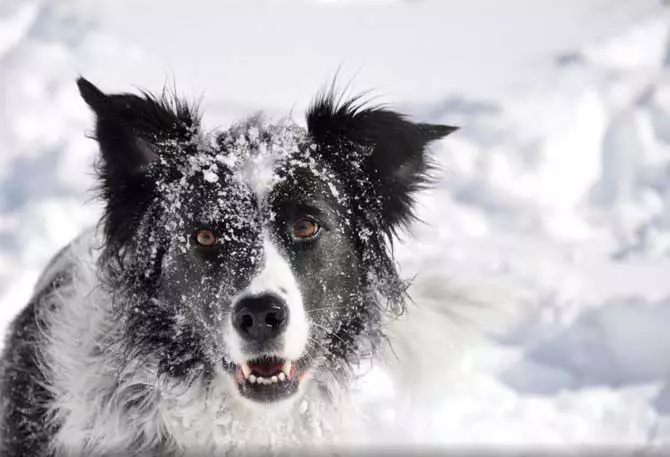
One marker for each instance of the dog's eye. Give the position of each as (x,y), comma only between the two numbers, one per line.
(205,238)
(305,228)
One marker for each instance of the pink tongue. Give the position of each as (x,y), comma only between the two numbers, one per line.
(265,369)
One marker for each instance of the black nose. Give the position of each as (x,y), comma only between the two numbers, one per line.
(260,318)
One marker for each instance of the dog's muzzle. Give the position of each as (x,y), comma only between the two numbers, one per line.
(260,322)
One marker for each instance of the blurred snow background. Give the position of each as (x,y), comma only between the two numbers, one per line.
(559,181)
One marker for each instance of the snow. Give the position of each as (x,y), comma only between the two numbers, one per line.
(557,189)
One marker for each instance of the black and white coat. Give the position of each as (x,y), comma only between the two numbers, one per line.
(143,335)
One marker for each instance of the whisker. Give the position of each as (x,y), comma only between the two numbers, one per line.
(320,344)
(328,331)
(318,309)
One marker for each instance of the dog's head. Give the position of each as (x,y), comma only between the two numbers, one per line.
(262,250)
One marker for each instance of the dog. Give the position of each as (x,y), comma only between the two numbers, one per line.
(236,280)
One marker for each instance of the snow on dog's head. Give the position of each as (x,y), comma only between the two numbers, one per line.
(260,251)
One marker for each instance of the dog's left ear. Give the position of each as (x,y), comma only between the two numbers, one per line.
(395,150)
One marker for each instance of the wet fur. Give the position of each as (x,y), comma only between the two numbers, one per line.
(100,362)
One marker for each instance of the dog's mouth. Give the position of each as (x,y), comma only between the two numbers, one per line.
(268,378)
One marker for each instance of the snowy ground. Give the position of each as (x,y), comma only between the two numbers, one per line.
(558,185)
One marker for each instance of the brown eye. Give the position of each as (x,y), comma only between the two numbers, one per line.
(305,228)
(205,238)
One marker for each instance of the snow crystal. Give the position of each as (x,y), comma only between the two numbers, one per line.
(210,175)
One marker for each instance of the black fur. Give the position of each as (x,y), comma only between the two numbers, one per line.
(395,163)
(128,128)
(24,390)
(22,393)
(355,169)
(391,164)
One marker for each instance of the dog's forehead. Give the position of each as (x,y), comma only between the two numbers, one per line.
(255,150)
(226,176)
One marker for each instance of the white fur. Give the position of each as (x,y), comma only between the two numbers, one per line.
(275,278)
(102,406)
(82,360)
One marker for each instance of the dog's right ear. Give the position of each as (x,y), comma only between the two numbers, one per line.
(123,141)
(135,134)
(133,131)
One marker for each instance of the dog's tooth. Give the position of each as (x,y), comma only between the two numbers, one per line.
(286,368)
(260,380)
(246,370)
(267,381)
(275,379)
(252,378)
(281,376)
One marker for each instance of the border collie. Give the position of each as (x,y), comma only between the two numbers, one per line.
(236,280)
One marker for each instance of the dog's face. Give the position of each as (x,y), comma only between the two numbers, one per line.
(261,250)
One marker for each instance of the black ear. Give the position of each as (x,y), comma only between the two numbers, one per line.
(395,161)
(132,130)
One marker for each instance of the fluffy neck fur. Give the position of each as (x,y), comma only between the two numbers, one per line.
(102,405)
